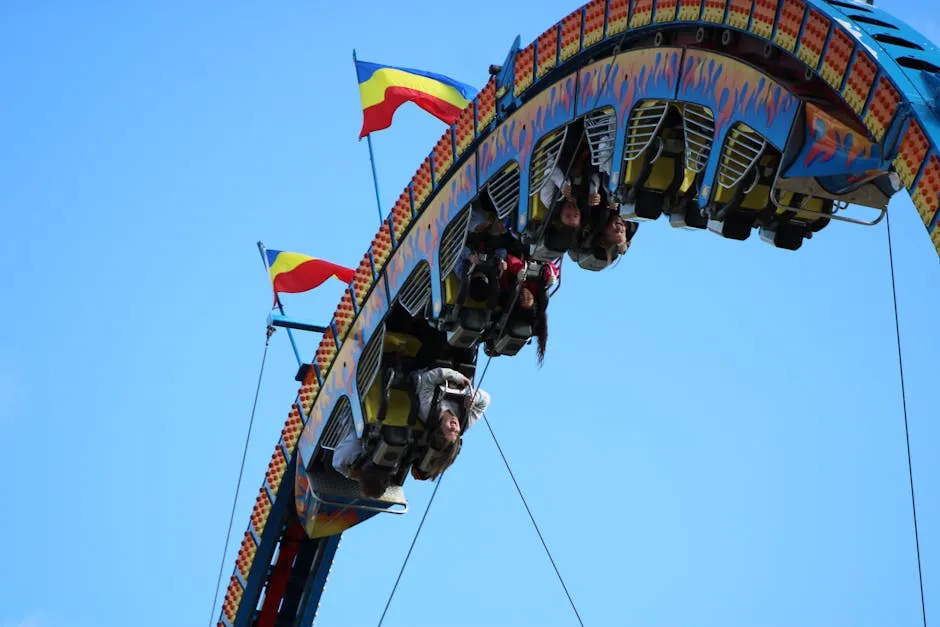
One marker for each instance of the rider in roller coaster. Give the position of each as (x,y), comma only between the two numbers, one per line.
(447,405)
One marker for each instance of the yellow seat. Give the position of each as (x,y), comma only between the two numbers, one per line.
(399,406)
(537,210)
(401,344)
(452,289)
(662,174)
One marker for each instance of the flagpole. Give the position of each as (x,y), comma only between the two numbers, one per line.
(264,259)
(375,178)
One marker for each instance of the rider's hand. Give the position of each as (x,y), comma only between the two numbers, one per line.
(548,276)
(594,200)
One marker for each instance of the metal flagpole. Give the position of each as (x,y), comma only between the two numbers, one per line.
(280,307)
(375,178)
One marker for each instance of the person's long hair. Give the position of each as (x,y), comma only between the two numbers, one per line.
(540,324)
(447,452)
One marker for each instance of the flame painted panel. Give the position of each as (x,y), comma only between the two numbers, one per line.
(832,148)
(423,240)
(514,139)
(637,74)
(735,92)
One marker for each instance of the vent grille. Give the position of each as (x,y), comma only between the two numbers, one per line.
(339,424)
(503,190)
(644,123)
(601,128)
(743,148)
(698,124)
(416,291)
(369,362)
(545,159)
(455,235)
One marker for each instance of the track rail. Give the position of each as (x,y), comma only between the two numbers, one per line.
(883,71)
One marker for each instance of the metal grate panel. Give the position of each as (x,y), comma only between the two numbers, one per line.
(416,291)
(601,128)
(339,424)
(743,147)
(452,242)
(545,159)
(643,126)
(369,361)
(503,190)
(698,124)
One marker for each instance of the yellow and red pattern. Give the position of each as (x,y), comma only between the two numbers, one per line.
(259,513)
(326,351)
(617,14)
(276,469)
(911,154)
(486,105)
(714,11)
(442,157)
(765,13)
(739,12)
(926,193)
(463,129)
(292,428)
(665,11)
(233,597)
(382,243)
(881,108)
(362,280)
(689,9)
(547,51)
(594,22)
(813,39)
(344,314)
(308,392)
(401,213)
(788,26)
(571,35)
(421,184)
(246,555)
(861,76)
(838,54)
(523,69)
(642,13)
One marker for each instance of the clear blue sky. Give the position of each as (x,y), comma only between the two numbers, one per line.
(716,437)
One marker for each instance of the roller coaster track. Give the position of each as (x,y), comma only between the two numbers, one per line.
(743,71)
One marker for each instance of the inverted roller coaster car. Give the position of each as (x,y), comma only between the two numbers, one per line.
(773,115)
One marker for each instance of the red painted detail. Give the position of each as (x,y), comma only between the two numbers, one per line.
(280,574)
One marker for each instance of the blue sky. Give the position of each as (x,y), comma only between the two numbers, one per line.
(715,438)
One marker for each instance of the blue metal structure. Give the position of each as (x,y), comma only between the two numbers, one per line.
(726,115)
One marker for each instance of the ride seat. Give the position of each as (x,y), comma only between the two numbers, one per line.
(398,410)
(516,334)
(472,316)
(588,260)
(403,344)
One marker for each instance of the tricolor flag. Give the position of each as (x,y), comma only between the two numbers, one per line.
(292,272)
(384,88)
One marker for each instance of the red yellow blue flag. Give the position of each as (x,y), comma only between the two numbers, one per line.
(292,272)
(384,88)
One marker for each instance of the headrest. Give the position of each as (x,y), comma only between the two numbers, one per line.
(479,287)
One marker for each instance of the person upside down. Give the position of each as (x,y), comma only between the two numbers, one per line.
(445,436)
